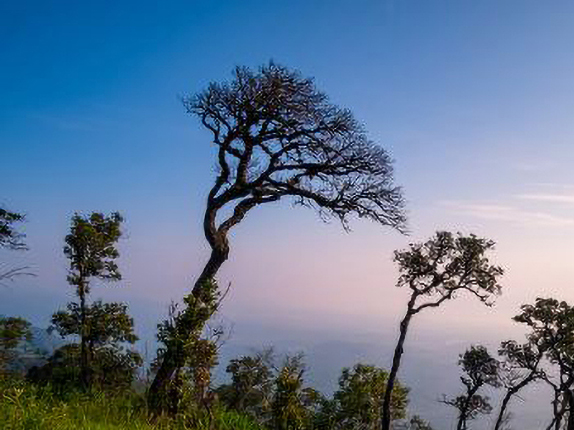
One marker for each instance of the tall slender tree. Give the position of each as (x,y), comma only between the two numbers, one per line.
(91,249)
(278,137)
(437,271)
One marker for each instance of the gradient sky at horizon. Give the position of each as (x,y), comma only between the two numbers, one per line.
(473,99)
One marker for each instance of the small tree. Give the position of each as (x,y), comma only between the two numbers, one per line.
(112,368)
(91,249)
(292,403)
(251,385)
(360,397)
(277,138)
(105,326)
(436,271)
(480,369)
(13,331)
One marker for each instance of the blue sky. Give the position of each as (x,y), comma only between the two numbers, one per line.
(474,100)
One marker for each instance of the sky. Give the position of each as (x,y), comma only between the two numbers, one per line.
(474,100)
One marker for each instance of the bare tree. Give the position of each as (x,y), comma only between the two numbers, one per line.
(436,271)
(278,137)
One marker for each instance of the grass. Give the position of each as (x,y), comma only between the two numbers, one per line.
(27,407)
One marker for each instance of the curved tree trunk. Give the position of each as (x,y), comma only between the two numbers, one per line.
(399,349)
(172,359)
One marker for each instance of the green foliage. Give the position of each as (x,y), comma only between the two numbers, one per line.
(13,331)
(251,383)
(360,396)
(112,369)
(101,327)
(292,403)
(105,323)
(26,407)
(91,249)
(193,356)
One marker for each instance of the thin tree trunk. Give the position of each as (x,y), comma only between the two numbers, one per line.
(503,407)
(510,392)
(463,417)
(570,398)
(399,349)
(84,362)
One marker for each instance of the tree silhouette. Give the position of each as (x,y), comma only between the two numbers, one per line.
(278,137)
(521,365)
(480,369)
(12,239)
(551,324)
(436,271)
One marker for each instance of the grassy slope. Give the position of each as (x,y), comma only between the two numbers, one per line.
(23,406)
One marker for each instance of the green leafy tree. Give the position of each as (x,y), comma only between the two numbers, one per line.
(480,369)
(292,404)
(278,137)
(197,355)
(107,327)
(112,368)
(13,331)
(91,249)
(437,271)
(251,387)
(360,397)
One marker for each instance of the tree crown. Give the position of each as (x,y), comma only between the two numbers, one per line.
(91,248)
(447,264)
(278,136)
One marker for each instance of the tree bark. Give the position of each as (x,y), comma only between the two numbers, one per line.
(399,349)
